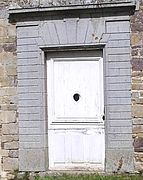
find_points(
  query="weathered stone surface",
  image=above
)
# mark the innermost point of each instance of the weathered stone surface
(137, 64)
(8, 107)
(137, 74)
(8, 92)
(11, 145)
(40, 3)
(139, 157)
(136, 80)
(136, 22)
(135, 94)
(10, 176)
(138, 121)
(9, 47)
(135, 52)
(9, 138)
(11, 128)
(138, 166)
(137, 111)
(138, 144)
(11, 70)
(4, 153)
(137, 86)
(137, 129)
(8, 73)
(13, 153)
(8, 116)
(10, 164)
(139, 101)
(136, 39)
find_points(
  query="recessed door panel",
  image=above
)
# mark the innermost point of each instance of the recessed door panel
(77, 90)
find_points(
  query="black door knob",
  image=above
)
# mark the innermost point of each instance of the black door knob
(76, 97)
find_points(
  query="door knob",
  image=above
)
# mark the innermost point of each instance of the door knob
(76, 97)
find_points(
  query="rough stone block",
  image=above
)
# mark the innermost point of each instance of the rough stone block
(11, 70)
(135, 94)
(136, 39)
(10, 164)
(137, 64)
(11, 28)
(4, 100)
(13, 153)
(11, 128)
(139, 157)
(9, 138)
(9, 107)
(2, 71)
(137, 129)
(137, 111)
(138, 167)
(4, 153)
(135, 52)
(137, 27)
(8, 116)
(137, 121)
(11, 145)
(9, 47)
(136, 80)
(138, 144)
(139, 101)
(137, 86)
(8, 91)
(137, 74)
(141, 93)
(3, 31)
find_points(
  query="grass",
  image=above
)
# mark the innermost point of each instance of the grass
(91, 177)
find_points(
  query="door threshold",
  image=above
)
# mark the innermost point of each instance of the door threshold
(74, 172)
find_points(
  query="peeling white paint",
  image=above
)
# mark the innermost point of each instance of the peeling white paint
(76, 129)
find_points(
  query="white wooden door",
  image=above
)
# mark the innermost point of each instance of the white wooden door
(76, 139)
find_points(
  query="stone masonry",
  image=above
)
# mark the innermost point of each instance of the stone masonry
(137, 85)
(8, 98)
(8, 90)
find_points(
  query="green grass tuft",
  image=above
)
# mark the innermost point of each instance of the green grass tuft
(91, 177)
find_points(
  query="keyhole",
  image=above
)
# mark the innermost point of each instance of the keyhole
(76, 97)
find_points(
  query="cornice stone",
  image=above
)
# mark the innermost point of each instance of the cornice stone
(39, 8)
(55, 3)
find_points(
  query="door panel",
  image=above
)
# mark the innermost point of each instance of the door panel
(76, 77)
(75, 109)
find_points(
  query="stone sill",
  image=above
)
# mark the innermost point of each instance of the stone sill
(119, 4)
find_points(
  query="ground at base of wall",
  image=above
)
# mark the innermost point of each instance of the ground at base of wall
(28, 176)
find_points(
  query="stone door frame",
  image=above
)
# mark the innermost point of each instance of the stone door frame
(109, 29)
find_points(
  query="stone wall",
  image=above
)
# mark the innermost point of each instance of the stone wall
(137, 85)
(8, 84)
(8, 97)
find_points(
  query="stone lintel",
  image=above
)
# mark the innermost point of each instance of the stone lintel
(120, 6)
